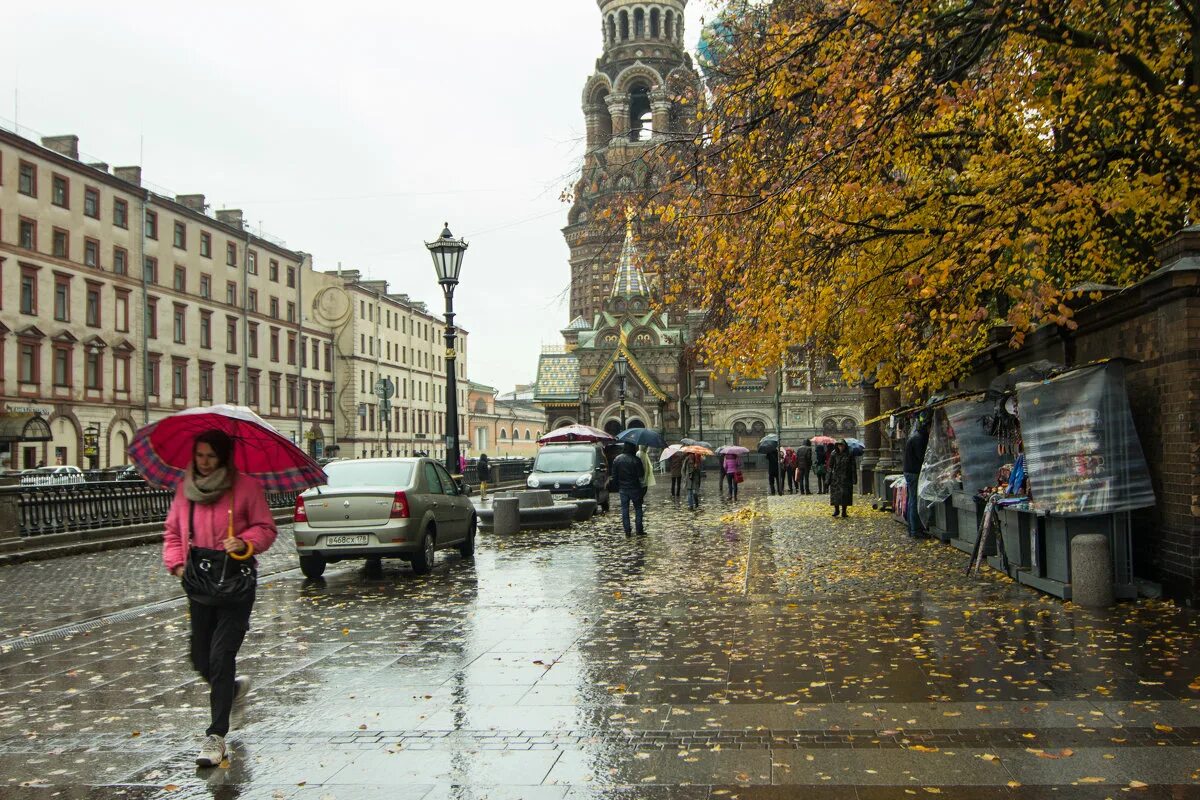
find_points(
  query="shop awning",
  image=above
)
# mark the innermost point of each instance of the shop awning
(23, 428)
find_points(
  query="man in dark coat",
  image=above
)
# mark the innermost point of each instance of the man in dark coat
(804, 462)
(841, 478)
(773, 471)
(914, 456)
(627, 471)
(484, 474)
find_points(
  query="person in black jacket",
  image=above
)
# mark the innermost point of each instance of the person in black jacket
(914, 456)
(483, 471)
(627, 471)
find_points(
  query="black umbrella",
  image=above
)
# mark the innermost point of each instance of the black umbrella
(769, 443)
(642, 437)
(696, 443)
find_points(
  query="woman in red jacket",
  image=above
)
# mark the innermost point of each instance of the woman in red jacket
(220, 520)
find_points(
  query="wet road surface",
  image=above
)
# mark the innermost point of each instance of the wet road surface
(757, 650)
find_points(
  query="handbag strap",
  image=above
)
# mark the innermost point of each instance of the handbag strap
(191, 521)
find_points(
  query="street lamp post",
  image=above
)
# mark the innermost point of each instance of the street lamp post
(447, 255)
(700, 405)
(622, 367)
(585, 418)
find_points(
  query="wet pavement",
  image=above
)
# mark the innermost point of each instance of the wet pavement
(758, 650)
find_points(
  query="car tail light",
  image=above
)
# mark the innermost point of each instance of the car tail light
(400, 506)
(300, 515)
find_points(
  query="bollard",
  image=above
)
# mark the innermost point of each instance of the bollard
(1091, 571)
(506, 516)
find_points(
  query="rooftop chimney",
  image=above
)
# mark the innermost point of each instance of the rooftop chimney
(230, 216)
(129, 174)
(193, 201)
(100, 165)
(63, 145)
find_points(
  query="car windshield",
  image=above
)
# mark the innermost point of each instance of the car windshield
(348, 474)
(564, 461)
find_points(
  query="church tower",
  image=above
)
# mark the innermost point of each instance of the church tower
(641, 97)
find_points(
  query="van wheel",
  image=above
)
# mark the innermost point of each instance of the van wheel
(422, 561)
(312, 566)
(467, 548)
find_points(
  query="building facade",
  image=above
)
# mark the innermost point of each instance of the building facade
(382, 339)
(119, 305)
(503, 428)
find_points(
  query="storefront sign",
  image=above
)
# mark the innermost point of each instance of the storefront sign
(16, 408)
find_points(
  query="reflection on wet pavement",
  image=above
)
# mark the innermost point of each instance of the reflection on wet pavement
(756, 650)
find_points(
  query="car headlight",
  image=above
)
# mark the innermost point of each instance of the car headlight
(532, 482)
(584, 480)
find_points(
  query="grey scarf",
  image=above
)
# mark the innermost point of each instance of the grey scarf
(207, 489)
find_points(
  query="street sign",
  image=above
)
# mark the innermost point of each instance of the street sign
(384, 388)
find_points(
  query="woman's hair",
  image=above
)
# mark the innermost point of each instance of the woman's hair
(220, 442)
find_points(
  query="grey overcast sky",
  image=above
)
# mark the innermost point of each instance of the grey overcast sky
(350, 130)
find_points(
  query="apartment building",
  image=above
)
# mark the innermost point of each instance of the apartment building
(381, 337)
(119, 305)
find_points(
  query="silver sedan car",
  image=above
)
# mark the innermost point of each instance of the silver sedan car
(383, 508)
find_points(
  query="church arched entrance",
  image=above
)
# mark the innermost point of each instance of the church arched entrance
(612, 427)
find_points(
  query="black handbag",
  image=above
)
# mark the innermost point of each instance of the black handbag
(212, 578)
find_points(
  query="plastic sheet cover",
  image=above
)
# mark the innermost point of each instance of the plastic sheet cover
(940, 472)
(1082, 452)
(978, 457)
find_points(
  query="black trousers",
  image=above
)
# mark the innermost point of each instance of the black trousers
(805, 486)
(676, 485)
(774, 482)
(790, 474)
(217, 635)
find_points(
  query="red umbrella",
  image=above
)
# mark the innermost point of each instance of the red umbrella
(823, 440)
(162, 451)
(576, 433)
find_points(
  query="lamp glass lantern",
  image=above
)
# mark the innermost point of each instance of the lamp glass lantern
(447, 255)
(621, 364)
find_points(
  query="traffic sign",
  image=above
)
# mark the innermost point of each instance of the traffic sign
(385, 388)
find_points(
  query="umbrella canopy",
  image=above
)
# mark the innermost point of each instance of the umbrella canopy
(162, 451)
(857, 447)
(697, 449)
(670, 452)
(576, 433)
(696, 442)
(770, 438)
(733, 449)
(823, 440)
(642, 437)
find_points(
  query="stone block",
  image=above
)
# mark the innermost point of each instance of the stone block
(1091, 571)
(506, 515)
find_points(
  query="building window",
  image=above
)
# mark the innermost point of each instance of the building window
(206, 244)
(291, 276)
(29, 363)
(206, 381)
(291, 393)
(27, 180)
(151, 224)
(328, 399)
(231, 254)
(303, 394)
(27, 236)
(92, 307)
(316, 354)
(274, 344)
(120, 261)
(252, 262)
(252, 381)
(62, 299)
(231, 334)
(93, 370)
(291, 312)
(152, 317)
(273, 390)
(60, 192)
(62, 365)
(120, 213)
(231, 293)
(205, 286)
(180, 239)
(252, 299)
(328, 357)
(206, 330)
(273, 270)
(153, 385)
(274, 308)
(91, 202)
(231, 385)
(179, 380)
(179, 324)
(121, 311)
(180, 281)
(121, 372)
(291, 348)
(252, 346)
(150, 270)
(91, 253)
(61, 244)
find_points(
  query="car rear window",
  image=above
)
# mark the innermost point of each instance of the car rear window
(564, 460)
(348, 474)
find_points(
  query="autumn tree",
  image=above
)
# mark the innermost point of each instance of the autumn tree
(897, 180)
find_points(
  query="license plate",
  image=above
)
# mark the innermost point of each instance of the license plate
(334, 541)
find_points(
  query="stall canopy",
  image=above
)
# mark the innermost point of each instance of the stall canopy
(23, 428)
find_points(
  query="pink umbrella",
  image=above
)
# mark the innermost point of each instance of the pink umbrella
(162, 451)
(576, 433)
(822, 440)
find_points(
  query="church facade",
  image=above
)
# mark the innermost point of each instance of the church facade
(639, 100)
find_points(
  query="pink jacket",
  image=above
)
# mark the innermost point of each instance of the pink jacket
(252, 522)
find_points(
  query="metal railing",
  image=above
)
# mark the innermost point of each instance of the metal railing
(502, 470)
(69, 507)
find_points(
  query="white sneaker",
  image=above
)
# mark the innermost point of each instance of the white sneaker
(212, 752)
(241, 687)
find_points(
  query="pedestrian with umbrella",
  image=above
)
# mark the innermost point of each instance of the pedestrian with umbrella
(675, 463)
(218, 460)
(769, 446)
(627, 471)
(731, 466)
(804, 462)
(693, 471)
(824, 447)
(841, 478)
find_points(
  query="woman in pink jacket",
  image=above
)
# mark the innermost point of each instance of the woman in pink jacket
(220, 519)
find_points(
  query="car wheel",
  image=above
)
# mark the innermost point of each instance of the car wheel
(467, 548)
(312, 566)
(422, 561)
